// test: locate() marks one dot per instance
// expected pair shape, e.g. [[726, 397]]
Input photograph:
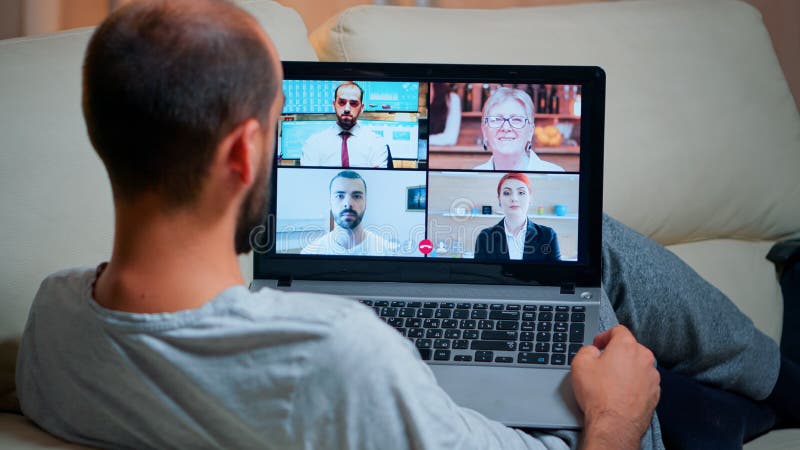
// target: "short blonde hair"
[[502, 94]]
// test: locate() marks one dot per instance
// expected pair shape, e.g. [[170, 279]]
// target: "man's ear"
[[241, 150]]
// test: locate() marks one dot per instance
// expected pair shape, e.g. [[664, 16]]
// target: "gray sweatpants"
[[692, 328]]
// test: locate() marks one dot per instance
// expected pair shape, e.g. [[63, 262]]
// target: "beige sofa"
[[702, 137]]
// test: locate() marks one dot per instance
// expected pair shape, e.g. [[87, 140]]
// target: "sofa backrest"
[[702, 135], [56, 200], [702, 144]]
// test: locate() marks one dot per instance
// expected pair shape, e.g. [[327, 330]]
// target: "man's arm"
[[392, 397], [617, 389], [315, 247]]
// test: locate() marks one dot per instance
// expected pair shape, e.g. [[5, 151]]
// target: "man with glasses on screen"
[[346, 143], [348, 197]]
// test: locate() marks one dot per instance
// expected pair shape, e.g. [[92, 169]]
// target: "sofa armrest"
[[786, 257], [784, 253], [8, 364]]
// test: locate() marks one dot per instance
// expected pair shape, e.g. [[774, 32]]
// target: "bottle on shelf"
[[485, 93], [554, 101], [528, 88], [576, 107], [541, 99], [571, 92], [467, 106]]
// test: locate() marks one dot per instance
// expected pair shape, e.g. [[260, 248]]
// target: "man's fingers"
[[619, 332], [601, 340], [586, 352]]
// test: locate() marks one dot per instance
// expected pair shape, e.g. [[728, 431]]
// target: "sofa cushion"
[[19, 433], [702, 133], [285, 28], [776, 440], [57, 209]]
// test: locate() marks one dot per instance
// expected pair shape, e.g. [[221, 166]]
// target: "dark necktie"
[[345, 155]]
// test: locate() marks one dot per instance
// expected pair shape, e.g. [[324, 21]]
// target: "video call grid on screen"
[[428, 200]]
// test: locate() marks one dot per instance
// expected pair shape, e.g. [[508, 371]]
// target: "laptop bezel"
[[586, 272]]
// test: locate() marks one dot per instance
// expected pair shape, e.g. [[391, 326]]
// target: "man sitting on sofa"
[[164, 347]]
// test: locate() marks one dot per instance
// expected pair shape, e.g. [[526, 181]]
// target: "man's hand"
[[617, 389]]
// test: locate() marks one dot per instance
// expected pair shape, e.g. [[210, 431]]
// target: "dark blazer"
[[541, 244]]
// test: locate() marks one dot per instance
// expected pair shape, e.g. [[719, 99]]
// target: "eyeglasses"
[[497, 121], [342, 102]]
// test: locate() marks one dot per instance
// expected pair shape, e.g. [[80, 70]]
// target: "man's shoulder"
[[348, 318], [330, 130], [310, 306], [57, 314], [69, 283], [353, 338], [536, 163], [374, 243], [374, 237], [70, 276], [485, 166], [359, 339], [369, 133], [318, 246]]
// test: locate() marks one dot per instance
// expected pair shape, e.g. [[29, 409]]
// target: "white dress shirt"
[[365, 148], [372, 244], [516, 242], [534, 164]]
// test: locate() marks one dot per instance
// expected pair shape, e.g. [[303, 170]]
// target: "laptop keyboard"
[[514, 334]]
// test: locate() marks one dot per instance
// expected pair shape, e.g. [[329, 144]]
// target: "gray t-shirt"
[[246, 370]]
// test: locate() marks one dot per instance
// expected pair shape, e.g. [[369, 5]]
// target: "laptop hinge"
[[285, 281], [568, 288]]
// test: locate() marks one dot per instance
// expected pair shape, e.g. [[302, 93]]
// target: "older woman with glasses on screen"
[[507, 129], [516, 237]]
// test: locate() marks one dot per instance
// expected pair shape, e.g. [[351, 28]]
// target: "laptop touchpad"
[[550, 402]]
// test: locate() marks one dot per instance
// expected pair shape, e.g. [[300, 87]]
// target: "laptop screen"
[[437, 166]]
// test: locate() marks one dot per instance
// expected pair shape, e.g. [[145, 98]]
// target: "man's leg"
[[785, 396], [694, 415], [693, 329]]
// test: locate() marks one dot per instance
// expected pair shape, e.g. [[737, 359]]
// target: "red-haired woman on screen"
[[516, 237]]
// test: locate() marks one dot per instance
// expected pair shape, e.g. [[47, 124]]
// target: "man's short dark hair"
[[163, 83], [349, 83], [352, 175]]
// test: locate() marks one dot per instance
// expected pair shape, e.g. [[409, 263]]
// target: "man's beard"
[[252, 213], [344, 223], [346, 122]]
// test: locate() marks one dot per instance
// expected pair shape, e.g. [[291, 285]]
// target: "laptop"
[[463, 204]]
